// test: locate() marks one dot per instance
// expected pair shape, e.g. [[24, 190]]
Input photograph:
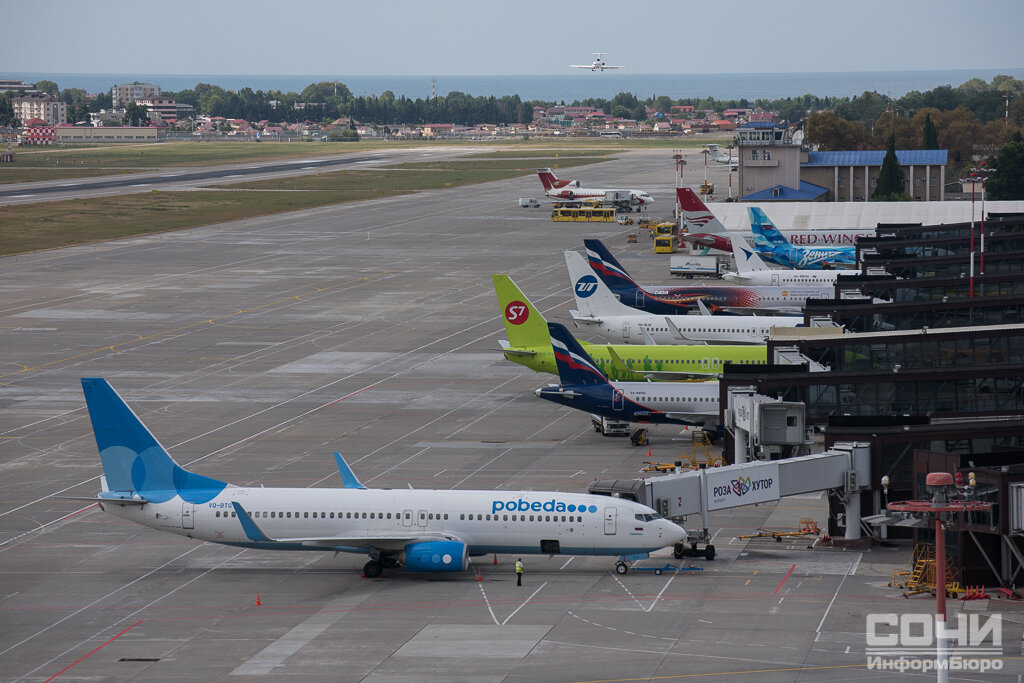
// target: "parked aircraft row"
[[680, 299], [529, 344], [790, 249]]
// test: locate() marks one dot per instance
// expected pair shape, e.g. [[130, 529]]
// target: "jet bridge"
[[846, 466]]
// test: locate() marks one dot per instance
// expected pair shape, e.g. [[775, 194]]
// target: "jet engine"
[[436, 556]]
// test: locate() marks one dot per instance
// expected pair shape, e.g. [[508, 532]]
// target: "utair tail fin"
[[134, 462], [747, 260], [695, 215], [593, 297], [575, 366], [524, 324], [764, 230]]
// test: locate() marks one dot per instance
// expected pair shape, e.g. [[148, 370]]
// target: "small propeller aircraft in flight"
[[597, 65]]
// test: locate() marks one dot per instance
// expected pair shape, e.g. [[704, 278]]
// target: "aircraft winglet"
[[348, 478], [252, 531]]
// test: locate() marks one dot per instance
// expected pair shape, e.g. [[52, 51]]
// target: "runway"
[[254, 349], [189, 178]]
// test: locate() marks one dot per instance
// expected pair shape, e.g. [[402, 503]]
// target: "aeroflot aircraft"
[[770, 244], [529, 344], [570, 190], [423, 531], [583, 387], [679, 300], [707, 231], [600, 311]]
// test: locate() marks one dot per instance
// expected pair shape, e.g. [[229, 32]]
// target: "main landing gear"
[[374, 568]]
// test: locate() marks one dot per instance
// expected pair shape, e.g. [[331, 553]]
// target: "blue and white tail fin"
[[747, 260], [764, 230], [575, 366], [593, 298], [134, 462]]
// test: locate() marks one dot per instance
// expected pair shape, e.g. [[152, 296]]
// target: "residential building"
[[16, 87], [133, 92], [166, 109], [40, 106]]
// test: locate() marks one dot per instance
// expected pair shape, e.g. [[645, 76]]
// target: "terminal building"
[[775, 167], [929, 376]]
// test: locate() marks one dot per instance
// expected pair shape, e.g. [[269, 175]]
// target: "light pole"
[[730, 148], [983, 172], [680, 163], [972, 180]]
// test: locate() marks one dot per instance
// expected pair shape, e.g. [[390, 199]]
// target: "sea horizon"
[[561, 87]]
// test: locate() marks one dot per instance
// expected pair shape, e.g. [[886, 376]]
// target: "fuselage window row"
[[398, 516]]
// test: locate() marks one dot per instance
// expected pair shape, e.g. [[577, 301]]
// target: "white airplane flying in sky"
[[597, 65], [570, 191], [601, 311], [421, 530]]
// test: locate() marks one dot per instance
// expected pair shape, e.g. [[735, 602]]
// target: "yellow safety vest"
[[519, 567]]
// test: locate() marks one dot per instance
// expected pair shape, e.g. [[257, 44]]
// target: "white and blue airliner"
[[420, 530]]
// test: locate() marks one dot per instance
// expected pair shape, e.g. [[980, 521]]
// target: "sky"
[[523, 37]]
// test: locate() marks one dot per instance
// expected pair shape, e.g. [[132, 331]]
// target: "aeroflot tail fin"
[[575, 366], [133, 460], [524, 324], [747, 260], [762, 227], [348, 477], [695, 215], [604, 264]]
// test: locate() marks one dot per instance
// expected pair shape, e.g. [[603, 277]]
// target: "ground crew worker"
[[519, 572]]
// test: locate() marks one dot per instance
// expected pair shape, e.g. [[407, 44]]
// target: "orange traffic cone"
[[258, 603], [495, 559], [478, 577]]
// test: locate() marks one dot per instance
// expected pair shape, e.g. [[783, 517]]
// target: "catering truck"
[[690, 265]]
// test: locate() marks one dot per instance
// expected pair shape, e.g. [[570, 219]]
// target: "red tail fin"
[[689, 201], [695, 214], [547, 179]]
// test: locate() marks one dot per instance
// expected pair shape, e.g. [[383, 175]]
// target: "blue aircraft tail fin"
[[348, 478], [762, 227], [605, 265], [575, 366], [133, 460]]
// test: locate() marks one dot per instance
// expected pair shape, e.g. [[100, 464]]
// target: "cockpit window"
[[646, 518]]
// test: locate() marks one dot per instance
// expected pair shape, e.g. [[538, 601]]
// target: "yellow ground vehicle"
[[666, 244], [584, 215], [707, 188], [666, 228]]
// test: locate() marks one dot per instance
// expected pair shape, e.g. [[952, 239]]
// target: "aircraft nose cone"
[[673, 533], [538, 392]]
